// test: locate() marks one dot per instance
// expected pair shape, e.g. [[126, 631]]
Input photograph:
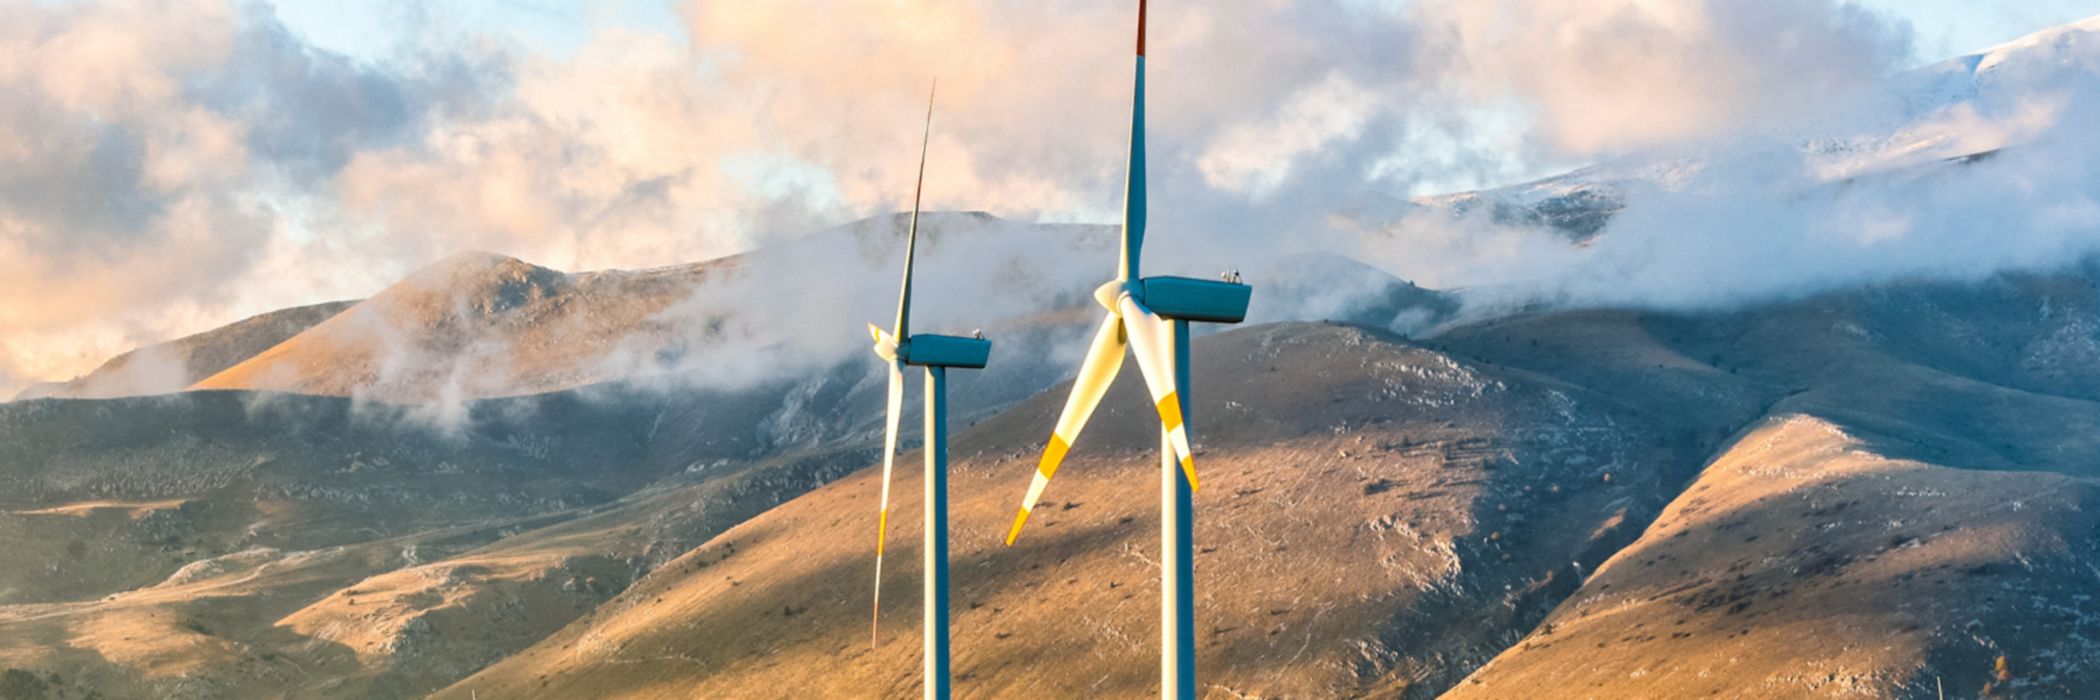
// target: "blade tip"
[[1014, 533], [1141, 29]]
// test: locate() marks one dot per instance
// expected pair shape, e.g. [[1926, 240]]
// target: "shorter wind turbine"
[[1150, 317], [936, 353]]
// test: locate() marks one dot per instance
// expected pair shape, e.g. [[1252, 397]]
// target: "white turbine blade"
[[889, 460], [1103, 360], [911, 238], [1151, 339]]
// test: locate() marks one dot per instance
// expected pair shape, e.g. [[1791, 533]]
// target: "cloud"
[[166, 167], [145, 152], [1611, 75], [1256, 158], [1998, 176], [196, 162]]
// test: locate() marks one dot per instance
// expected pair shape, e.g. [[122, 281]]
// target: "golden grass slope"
[[1364, 502], [1804, 562]]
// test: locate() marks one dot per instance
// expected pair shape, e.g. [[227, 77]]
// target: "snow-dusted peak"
[[2053, 42], [1952, 111]]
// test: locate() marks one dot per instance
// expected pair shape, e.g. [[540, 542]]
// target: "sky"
[[170, 166]]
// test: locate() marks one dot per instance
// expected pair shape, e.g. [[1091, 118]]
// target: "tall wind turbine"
[[936, 353], [1150, 316]]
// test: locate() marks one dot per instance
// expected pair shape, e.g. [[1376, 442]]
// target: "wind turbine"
[[1150, 316], [936, 353]]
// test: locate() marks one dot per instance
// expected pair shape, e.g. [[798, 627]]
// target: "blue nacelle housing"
[[947, 351], [1190, 299]]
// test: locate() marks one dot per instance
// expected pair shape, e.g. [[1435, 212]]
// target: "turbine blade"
[[1151, 339], [1103, 360], [1134, 186], [889, 458], [911, 238]]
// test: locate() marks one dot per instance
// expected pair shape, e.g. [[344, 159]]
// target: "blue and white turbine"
[[1150, 316], [936, 353]]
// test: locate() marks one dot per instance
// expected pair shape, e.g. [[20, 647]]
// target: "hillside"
[[1918, 505], [1440, 484], [228, 544], [1806, 561], [1382, 517], [472, 326], [1905, 470], [166, 368]]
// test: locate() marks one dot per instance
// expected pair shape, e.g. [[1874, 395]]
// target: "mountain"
[[300, 535], [480, 325], [166, 368], [474, 325], [1382, 516]]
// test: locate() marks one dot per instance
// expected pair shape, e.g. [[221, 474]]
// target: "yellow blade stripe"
[[1170, 410], [1053, 455], [882, 535], [1177, 434], [1179, 438]]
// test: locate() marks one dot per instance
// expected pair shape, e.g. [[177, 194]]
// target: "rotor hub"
[[1110, 295]]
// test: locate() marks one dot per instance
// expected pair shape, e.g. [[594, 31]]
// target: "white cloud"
[[196, 162], [1609, 75], [1255, 158]]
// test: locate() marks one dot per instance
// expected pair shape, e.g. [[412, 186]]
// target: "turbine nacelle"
[[932, 349], [1192, 299], [1180, 298]]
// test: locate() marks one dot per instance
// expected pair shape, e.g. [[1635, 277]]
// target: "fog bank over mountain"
[[1967, 168]]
